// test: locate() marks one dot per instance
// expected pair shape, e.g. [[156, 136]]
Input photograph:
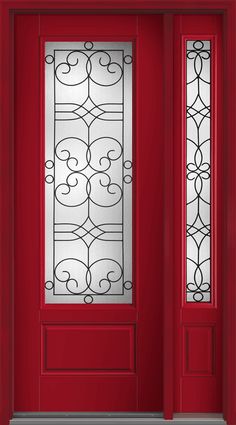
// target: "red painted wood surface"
[[198, 325], [227, 9], [6, 217], [168, 223], [228, 217], [119, 366], [92, 353]]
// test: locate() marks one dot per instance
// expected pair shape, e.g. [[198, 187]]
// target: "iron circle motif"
[[128, 59], [88, 299], [49, 285], [49, 59], [88, 45], [198, 45], [49, 164], [128, 164], [127, 179], [198, 296], [128, 285], [49, 179]]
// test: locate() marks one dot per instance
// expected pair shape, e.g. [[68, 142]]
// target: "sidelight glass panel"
[[198, 129], [88, 172]]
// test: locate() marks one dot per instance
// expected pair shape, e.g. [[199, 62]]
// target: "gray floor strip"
[[113, 419]]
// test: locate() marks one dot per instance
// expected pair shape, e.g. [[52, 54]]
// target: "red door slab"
[[73, 357], [109, 357]]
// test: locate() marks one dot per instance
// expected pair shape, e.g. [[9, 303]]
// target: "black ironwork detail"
[[89, 180], [198, 171]]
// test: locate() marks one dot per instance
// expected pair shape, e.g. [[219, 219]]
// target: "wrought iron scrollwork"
[[88, 172], [198, 171]]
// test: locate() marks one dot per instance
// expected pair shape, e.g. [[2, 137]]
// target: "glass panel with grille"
[[88, 172], [198, 132]]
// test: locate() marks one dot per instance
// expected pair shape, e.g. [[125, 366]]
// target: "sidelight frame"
[[227, 8]]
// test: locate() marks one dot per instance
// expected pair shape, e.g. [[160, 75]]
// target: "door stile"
[[229, 231], [168, 223], [6, 214]]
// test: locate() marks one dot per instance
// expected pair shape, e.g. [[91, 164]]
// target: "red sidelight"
[[198, 324]]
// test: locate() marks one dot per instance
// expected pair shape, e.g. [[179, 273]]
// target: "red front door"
[[90, 190], [92, 354]]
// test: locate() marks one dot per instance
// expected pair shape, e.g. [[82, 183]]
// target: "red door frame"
[[228, 9]]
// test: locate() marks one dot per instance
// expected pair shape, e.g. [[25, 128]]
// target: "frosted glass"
[[198, 181], [88, 172]]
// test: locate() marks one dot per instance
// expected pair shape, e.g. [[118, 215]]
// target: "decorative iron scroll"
[[88, 172], [198, 171]]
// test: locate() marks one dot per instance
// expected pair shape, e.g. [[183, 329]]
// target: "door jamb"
[[228, 9]]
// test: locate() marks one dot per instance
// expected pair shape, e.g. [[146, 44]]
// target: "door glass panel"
[[88, 172], [198, 180]]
